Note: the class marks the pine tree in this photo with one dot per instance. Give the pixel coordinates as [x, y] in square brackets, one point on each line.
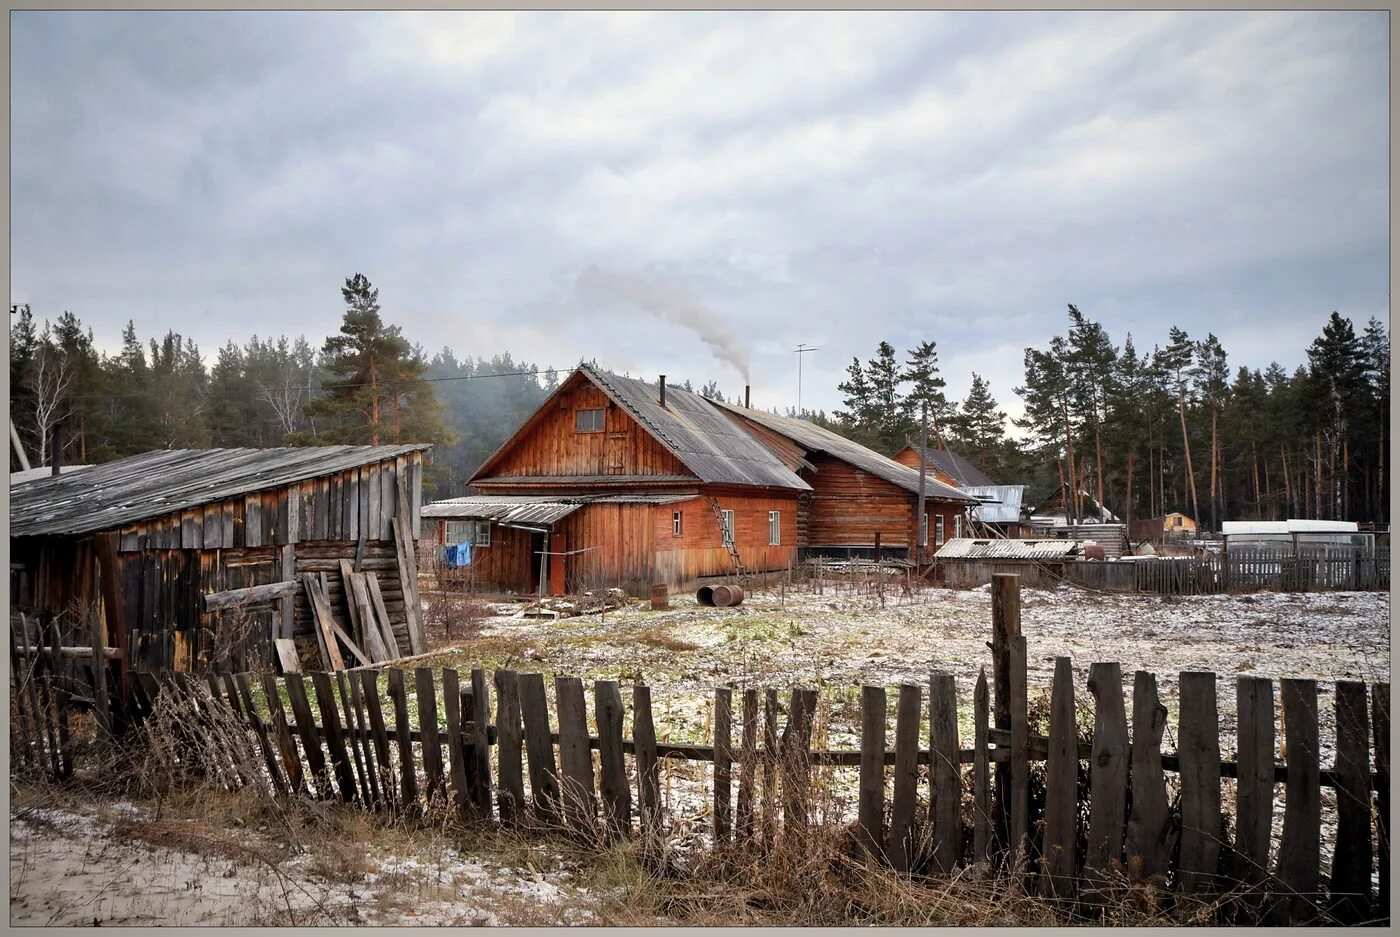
[883, 378]
[1174, 360]
[1090, 367]
[24, 348]
[1210, 375]
[926, 392]
[981, 424]
[859, 417]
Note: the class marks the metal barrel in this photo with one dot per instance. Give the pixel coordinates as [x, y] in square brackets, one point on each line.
[705, 595]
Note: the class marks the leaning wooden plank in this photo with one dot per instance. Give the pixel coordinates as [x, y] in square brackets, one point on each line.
[310, 737]
[648, 771]
[479, 743]
[235, 598]
[945, 780]
[428, 729]
[1148, 826]
[1299, 851]
[374, 714]
[408, 576]
[1254, 797]
[287, 655]
[408, 771]
[870, 813]
[386, 630]
[286, 744]
[612, 773]
[369, 625]
[335, 738]
[352, 609]
[906, 776]
[748, 763]
[1108, 775]
[544, 780]
[1061, 798]
[355, 736]
[1199, 742]
[580, 808]
[509, 738]
[451, 710]
[1350, 884]
[325, 638]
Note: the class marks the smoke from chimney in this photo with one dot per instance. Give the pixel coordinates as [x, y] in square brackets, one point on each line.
[668, 304]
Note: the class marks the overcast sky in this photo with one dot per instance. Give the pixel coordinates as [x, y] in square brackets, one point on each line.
[832, 179]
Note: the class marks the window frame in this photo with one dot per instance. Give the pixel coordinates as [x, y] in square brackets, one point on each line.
[478, 540]
[677, 523]
[726, 526]
[938, 530]
[775, 528]
[957, 526]
[597, 424]
[462, 531]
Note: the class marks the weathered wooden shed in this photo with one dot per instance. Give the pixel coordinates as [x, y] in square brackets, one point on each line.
[142, 540]
[619, 481]
[856, 494]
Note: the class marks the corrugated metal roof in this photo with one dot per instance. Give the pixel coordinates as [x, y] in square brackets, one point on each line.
[955, 467]
[155, 483]
[968, 548]
[1005, 506]
[591, 480]
[533, 509]
[814, 438]
[1291, 526]
[690, 427]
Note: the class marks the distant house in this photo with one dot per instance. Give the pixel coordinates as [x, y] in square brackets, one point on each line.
[1053, 511]
[143, 539]
[619, 481]
[948, 467]
[1155, 528]
[857, 494]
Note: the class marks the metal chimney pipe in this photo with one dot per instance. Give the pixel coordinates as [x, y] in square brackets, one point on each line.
[663, 390]
[746, 398]
[57, 460]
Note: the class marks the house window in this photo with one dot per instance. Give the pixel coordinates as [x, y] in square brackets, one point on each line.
[483, 534]
[957, 526]
[775, 528]
[588, 421]
[460, 532]
[938, 530]
[726, 527]
[676, 523]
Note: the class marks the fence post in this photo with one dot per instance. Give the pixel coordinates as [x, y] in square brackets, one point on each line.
[797, 736]
[369, 685]
[1147, 850]
[544, 778]
[945, 778]
[648, 773]
[770, 766]
[906, 776]
[452, 712]
[748, 763]
[981, 773]
[724, 761]
[1350, 883]
[426, 697]
[1061, 797]
[576, 782]
[1020, 757]
[871, 806]
[310, 738]
[1006, 625]
[1380, 730]
[479, 754]
[1108, 773]
[408, 772]
[509, 764]
[1254, 785]
[612, 780]
[335, 740]
[1199, 743]
[1298, 857]
[291, 759]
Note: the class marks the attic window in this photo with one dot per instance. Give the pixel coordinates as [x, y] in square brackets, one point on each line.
[588, 421]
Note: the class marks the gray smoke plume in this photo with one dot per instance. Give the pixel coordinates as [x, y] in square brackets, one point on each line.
[668, 304]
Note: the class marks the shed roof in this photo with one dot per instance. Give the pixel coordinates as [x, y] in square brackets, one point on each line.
[151, 484]
[690, 427]
[814, 438]
[530, 510]
[968, 548]
[1001, 504]
[955, 467]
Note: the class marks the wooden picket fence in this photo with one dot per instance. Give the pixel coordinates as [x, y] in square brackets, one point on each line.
[1081, 820]
[1316, 568]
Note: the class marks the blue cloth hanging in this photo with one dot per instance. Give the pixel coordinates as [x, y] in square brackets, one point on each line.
[458, 554]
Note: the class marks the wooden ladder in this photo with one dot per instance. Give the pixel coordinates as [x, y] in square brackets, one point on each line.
[728, 543]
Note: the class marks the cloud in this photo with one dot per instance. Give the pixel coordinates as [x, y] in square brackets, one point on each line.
[833, 179]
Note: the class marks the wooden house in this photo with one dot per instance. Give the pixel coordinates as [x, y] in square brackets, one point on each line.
[618, 481]
[858, 497]
[141, 542]
[946, 466]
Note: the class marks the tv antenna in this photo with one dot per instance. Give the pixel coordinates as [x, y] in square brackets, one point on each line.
[801, 349]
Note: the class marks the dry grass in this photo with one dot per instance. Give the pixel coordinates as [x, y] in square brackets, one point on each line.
[661, 638]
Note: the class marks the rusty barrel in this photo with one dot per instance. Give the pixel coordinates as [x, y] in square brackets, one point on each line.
[727, 596]
[1094, 551]
[705, 595]
[660, 596]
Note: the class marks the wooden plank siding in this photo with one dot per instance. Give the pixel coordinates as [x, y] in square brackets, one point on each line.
[166, 564]
[849, 506]
[549, 444]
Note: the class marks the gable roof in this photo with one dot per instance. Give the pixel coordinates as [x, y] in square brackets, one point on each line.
[153, 484]
[814, 438]
[963, 472]
[714, 448]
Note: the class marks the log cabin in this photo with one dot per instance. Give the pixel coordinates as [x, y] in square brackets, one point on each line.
[948, 467]
[858, 497]
[615, 481]
[140, 542]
